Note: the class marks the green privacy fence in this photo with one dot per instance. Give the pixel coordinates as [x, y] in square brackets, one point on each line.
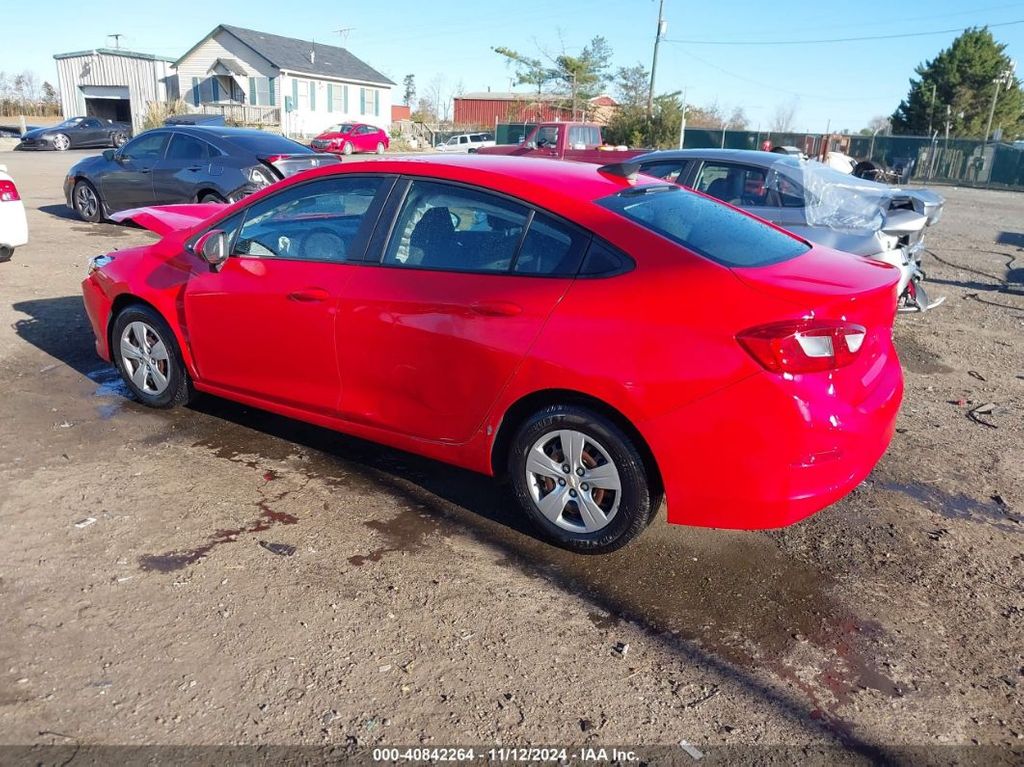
[919, 159]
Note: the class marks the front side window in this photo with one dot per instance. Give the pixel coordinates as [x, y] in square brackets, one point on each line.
[91, 122]
[547, 136]
[448, 227]
[704, 226]
[148, 146]
[323, 220]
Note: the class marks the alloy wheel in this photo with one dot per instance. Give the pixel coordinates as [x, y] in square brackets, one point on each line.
[86, 201]
[61, 142]
[573, 481]
[145, 358]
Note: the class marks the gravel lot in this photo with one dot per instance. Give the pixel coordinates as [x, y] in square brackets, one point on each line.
[418, 610]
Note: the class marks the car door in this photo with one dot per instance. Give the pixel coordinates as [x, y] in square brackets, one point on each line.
[185, 164]
[89, 132]
[429, 335]
[263, 325]
[742, 185]
[368, 138]
[129, 184]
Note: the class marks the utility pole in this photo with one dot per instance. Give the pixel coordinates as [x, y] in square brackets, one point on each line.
[1005, 76]
[931, 110]
[662, 26]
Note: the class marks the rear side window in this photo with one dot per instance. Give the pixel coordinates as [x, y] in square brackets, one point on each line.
[187, 148]
[550, 248]
[705, 226]
[266, 143]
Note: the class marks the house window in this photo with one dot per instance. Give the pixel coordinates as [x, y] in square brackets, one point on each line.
[337, 98]
[259, 91]
[302, 94]
[195, 91]
[369, 101]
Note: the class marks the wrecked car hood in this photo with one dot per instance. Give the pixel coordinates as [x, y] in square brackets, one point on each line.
[163, 219]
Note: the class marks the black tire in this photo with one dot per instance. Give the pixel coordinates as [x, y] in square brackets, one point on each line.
[210, 197]
[79, 196]
[637, 503]
[6, 253]
[118, 139]
[178, 390]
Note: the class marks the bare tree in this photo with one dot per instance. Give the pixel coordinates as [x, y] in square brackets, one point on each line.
[738, 119]
[784, 117]
[880, 124]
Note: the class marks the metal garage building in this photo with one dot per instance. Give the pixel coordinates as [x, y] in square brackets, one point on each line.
[113, 84]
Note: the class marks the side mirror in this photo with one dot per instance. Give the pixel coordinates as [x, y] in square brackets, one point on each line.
[109, 155]
[212, 247]
[530, 145]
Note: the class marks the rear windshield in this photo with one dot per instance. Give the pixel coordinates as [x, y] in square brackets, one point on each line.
[705, 226]
[267, 143]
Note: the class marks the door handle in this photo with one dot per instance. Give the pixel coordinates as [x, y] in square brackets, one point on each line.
[309, 295]
[194, 168]
[496, 308]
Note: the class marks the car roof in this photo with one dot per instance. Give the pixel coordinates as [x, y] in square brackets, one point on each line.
[748, 156]
[533, 176]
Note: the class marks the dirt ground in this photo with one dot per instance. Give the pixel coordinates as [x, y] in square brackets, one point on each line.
[218, 575]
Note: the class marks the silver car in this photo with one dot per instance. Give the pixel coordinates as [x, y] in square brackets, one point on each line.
[815, 202]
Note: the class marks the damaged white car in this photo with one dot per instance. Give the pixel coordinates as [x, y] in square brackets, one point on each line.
[817, 203]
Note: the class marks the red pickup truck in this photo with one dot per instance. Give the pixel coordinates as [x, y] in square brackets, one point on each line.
[581, 142]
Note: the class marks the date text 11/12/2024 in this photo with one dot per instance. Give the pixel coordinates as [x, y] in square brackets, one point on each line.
[503, 754]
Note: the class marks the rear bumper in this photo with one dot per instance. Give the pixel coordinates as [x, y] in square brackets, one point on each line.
[13, 225]
[97, 307]
[762, 453]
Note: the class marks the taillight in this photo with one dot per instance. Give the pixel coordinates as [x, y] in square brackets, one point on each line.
[803, 346]
[8, 191]
[273, 158]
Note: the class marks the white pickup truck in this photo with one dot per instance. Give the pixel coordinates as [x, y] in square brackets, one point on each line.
[466, 142]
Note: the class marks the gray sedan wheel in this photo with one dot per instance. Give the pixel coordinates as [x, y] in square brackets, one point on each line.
[86, 201]
[61, 142]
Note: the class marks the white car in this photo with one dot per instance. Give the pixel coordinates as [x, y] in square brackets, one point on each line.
[466, 142]
[13, 226]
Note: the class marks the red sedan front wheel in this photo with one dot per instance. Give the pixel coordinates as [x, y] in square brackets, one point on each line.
[581, 480]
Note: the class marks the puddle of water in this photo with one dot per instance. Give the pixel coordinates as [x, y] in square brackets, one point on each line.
[958, 505]
[179, 560]
[408, 531]
[110, 385]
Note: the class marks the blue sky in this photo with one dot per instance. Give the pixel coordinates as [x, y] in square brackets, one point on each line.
[842, 84]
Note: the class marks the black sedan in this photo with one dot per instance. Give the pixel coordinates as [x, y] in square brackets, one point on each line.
[184, 164]
[78, 133]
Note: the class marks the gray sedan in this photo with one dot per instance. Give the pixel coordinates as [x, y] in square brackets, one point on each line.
[815, 202]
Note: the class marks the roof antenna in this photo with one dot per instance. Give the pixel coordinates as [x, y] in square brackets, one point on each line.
[343, 34]
[117, 40]
[312, 52]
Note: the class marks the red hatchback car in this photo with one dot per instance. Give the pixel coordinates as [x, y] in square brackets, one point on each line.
[351, 137]
[601, 340]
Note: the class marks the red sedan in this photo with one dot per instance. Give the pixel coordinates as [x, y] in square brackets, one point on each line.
[600, 339]
[351, 137]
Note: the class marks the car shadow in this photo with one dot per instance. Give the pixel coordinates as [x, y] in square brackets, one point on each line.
[730, 602]
[59, 211]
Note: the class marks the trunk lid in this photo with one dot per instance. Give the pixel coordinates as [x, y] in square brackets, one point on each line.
[289, 164]
[825, 284]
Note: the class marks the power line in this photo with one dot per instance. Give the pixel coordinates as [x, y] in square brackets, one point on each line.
[835, 39]
[816, 96]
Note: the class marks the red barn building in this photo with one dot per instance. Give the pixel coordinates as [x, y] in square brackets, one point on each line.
[489, 107]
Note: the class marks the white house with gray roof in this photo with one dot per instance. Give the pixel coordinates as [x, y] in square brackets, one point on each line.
[312, 85]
